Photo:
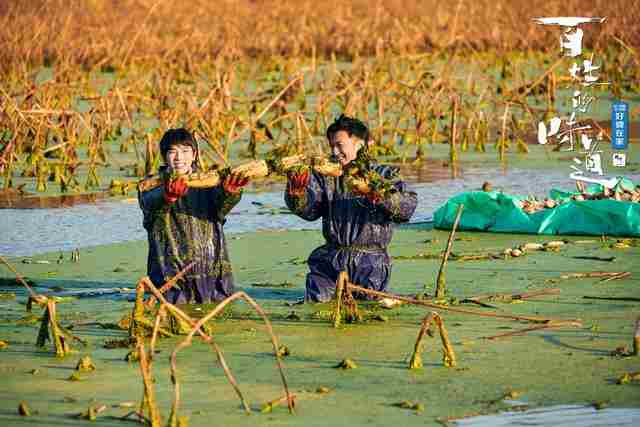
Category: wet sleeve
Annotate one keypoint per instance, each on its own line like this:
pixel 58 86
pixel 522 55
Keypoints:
pixel 223 202
pixel 150 202
pixel 400 204
pixel 311 204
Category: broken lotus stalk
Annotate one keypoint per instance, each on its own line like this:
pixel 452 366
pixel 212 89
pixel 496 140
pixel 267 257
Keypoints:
pixel 48 325
pixel 350 305
pixel 346 306
pixel 534 319
pixel 416 357
pixel 198 327
pixel 139 324
pixel 441 281
pixel 173 310
pixel 337 314
pixel 448 356
pixel 49 321
pixel 149 396
pixel 550 325
pixel 636 338
pixel 40 299
pixel 170 283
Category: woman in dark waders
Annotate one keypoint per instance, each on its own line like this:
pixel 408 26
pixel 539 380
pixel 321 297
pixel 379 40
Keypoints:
pixel 184 225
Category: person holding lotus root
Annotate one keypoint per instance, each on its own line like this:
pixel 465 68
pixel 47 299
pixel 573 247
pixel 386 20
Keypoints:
pixel 185 225
pixel 357 222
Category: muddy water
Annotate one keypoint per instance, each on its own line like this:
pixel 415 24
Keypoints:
pixel 28 232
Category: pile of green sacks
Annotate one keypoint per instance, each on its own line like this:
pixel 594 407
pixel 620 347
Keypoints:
pixel 501 213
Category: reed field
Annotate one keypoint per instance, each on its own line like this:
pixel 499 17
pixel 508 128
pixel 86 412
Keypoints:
pixel 88 87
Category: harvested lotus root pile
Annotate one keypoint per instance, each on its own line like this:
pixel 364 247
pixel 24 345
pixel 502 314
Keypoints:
pixel 625 193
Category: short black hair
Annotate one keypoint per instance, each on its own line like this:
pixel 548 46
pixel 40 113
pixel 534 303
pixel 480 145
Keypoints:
pixel 179 136
pixel 351 125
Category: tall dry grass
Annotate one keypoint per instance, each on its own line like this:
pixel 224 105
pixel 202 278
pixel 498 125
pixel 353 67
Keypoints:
pixel 117 32
pixel 139 67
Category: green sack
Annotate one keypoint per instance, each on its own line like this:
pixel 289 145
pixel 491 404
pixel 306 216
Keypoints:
pixel 497 212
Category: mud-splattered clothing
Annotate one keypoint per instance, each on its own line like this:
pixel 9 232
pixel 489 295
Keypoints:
pixel 357 233
pixel 189 230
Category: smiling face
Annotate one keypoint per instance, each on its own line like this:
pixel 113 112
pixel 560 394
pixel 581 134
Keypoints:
pixel 344 147
pixel 180 159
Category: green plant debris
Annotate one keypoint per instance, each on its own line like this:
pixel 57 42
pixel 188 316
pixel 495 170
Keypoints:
pixel 85 364
pixel 3 345
pixel 273 285
pixel 628 377
pixel 508 395
pixel 408 404
pixel 23 409
pixel 75 377
pixel 120 343
pixel 283 351
pixel 513 394
pixel 91 413
pixel 621 352
pixel 51 331
pixel 599 405
pixel 132 356
pixel 323 390
pixel 293 316
pixel 7 296
pixel 297 261
pixel 346 364
pixel 378 317
pixel 111 325
pixel 425 329
pixel 269 406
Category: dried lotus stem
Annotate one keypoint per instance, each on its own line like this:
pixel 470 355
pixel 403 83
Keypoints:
pixel 416 357
pixel 337 314
pixel 448 356
pixel 636 338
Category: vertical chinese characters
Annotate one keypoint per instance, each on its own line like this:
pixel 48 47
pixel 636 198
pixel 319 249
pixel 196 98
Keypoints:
pixel 576 128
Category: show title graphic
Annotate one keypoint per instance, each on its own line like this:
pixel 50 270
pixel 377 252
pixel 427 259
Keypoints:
pixel 576 129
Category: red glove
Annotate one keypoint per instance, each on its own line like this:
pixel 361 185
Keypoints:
pixel 175 189
pixel 374 197
pixel 233 183
pixel 297 183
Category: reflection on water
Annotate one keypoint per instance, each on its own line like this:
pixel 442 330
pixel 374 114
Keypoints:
pixel 27 232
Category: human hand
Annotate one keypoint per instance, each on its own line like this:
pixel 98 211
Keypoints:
pixel 233 183
pixel 364 190
pixel 297 182
pixel 374 197
pixel 174 189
